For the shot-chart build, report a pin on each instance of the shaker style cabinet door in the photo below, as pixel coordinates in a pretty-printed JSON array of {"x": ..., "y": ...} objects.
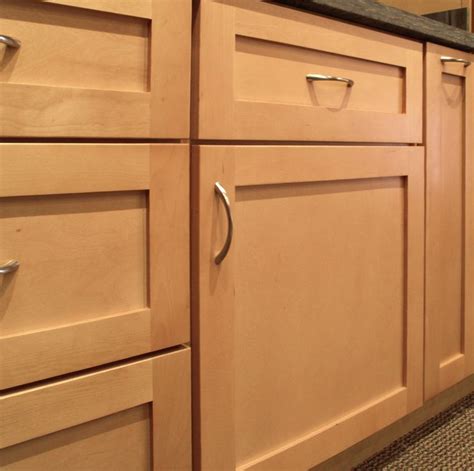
[
  {"x": 94, "y": 247},
  {"x": 449, "y": 218},
  {"x": 308, "y": 327},
  {"x": 269, "y": 72},
  {"x": 134, "y": 416},
  {"x": 95, "y": 68}
]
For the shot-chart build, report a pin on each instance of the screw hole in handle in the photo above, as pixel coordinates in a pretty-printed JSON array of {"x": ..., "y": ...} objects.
[
  {"x": 9, "y": 41},
  {"x": 222, "y": 194},
  {"x": 9, "y": 267}
]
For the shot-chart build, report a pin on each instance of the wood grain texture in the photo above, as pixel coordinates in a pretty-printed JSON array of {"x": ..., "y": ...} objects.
[
  {"x": 103, "y": 243},
  {"x": 136, "y": 414},
  {"x": 169, "y": 244},
  {"x": 170, "y": 74},
  {"x": 135, "y": 84},
  {"x": 75, "y": 32},
  {"x": 213, "y": 296},
  {"x": 291, "y": 262},
  {"x": 172, "y": 420},
  {"x": 120, "y": 441},
  {"x": 72, "y": 112},
  {"x": 449, "y": 349},
  {"x": 49, "y": 169},
  {"x": 141, "y": 9},
  {"x": 28, "y": 356},
  {"x": 253, "y": 61},
  {"x": 293, "y": 62},
  {"x": 34, "y": 412}
]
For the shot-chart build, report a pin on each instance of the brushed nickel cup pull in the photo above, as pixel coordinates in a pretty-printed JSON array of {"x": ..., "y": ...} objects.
[
  {"x": 9, "y": 267},
  {"x": 9, "y": 41},
  {"x": 332, "y": 78},
  {"x": 222, "y": 194},
  {"x": 445, "y": 59}
]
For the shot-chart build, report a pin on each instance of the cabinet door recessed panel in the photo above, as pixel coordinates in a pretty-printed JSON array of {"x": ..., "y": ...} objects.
[
  {"x": 319, "y": 305},
  {"x": 79, "y": 255}
]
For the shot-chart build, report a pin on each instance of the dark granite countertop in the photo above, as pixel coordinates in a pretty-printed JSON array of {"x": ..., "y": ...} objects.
[{"x": 376, "y": 15}]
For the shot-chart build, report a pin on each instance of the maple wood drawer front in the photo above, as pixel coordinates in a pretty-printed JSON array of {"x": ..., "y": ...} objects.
[
  {"x": 255, "y": 59},
  {"x": 85, "y": 69},
  {"x": 132, "y": 416},
  {"x": 100, "y": 235}
]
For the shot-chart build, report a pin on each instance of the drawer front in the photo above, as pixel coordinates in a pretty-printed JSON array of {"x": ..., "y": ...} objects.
[
  {"x": 254, "y": 63},
  {"x": 318, "y": 304},
  {"x": 101, "y": 235},
  {"x": 133, "y": 416},
  {"x": 85, "y": 69}
]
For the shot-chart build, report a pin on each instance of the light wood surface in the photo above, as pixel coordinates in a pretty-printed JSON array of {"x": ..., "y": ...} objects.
[
  {"x": 320, "y": 301},
  {"x": 172, "y": 417},
  {"x": 109, "y": 71},
  {"x": 49, "y": 169},
  {"x": 449, "y": 221},
  {"x": 120, "y": 440},
  {"x": 355, "y": 455},
  {"x": 101, "y": 234},
  {"x": 124, "y": 417},
  {"x": 141, "y": 9},
  {"x": 252, "y": 63}
]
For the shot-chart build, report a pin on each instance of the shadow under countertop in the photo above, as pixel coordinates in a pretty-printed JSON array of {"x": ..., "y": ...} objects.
[{"x": 376, "y": 15}]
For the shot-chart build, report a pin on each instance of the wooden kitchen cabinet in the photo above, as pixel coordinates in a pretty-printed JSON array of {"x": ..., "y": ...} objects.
[
  {"x": 308, "y": 336},
  {"x": 131, "y": 416},
  {"x": 449, "y": 218},
  {"x": 101, "y": 235},
  {"x": 95, "y": 68},
  {"x": 252, "y": 63}
]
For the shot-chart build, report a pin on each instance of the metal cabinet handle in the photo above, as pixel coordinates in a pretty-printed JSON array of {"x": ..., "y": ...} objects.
[
  {"x": 9, "y": 267},
  {"x": 313, "y": 77},
  {"x": 9, "y": 41},
  {"x": 220, "y": 191},
  {"x": 445, "y": 59}
]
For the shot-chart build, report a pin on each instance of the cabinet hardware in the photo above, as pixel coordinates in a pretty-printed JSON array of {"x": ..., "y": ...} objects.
[
  {"x": 9, "y": 267},
  {"x": 9, "y": 41},
  {"x": 445, "y": 59},
  {"x": 313, "y": 77},
  {"x": 220, "y": 191}
]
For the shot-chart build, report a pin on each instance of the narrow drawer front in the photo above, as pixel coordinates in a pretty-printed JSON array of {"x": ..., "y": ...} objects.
[
  {"x": 131, "y": 416},
  {"x": 100, "y": 236},
  {"x": 86, "y": 70},
  {"x": 268, "y": 72}
]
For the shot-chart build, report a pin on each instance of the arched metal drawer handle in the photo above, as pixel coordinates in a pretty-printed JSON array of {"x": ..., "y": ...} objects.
[
  {"x": 445, "y": 59},
  {"x": 313, "y": 77},
  {"x": 220, "y": 191},
  {"x": 9, "y": 41},
  {"x": 9, "y": 267}
]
